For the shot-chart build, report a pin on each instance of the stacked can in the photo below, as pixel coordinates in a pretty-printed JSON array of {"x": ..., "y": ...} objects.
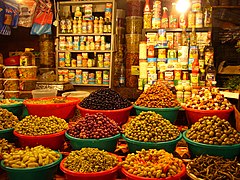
[
  {"x": 120, "y": 42},
  {"x": 134, "y": 26}
]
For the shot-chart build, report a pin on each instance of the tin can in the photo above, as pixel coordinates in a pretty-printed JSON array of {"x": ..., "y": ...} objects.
[
  {"x": 185, "y": 75},
  {"x": 65, "y": 75},
  {"x": 162, "y": 53},
  {"x": 105, "y": 77},
  {"x": 194, "y": 79},
  {"x": 78, "y": 77},
  {"x": 179, "y": 96},
  {"x": 172, "y": 53},
  {"x": 100, "y": 60},
  {"x": 79, "y": 60},
  {"x": 71, "y": 75},
  {"x": 193, "y": 52},
  {"x": 177, "y": 74},
  {"x": 67, "y": 59},
  {"x": 91, "y": 78},
  {"x": 99, "y": 77},
  {"x": 106, "y": 61},
  {"x": 61, "y": 59},
  {"x": 85, "y": 77},
  {"x": 90, "y": 62},
  {"x": 73, "y": 63},
  {"x": 151, "y": 51},
  {"x": 60, "y": 75}
]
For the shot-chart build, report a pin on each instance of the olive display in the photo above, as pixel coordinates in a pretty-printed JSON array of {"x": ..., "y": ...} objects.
[
  {"x": 34, "y": 125},
  {"x": 213, "y": 130},
  {"x": 49, "y": 101},
  {"x": 105, "y": 99},
  {"x": 9, "y": 101},
  {"x": 5, "y": 146},
  {"x": 30, "y": 157},
  {"x": 214, "y": 167},
  {"x": 94, "y": 126},
  {"x": 157, "y": 95},
  {"x": 205, "y": 99},
  {"x": 89, "y": 160},
  {"x": 151, "y": 127},
  {"x": 152, "y": 163},
  {"x": 7, "y": 119}
]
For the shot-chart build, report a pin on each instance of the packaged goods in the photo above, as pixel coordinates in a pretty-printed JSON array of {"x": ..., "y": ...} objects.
[
  {"x": 91, "y": 78},
  {"x": 26, "y": 158},
  {"x": 36, "y": 126},
  {"x": 85, "y": 77},
  {"x": 8, "y": 120},
  {"x": 91, "y": 157},
  {"x": 98, "y": 77},
  {"x": 134, "y": 25},
  {"x": 132, "y": 42},
  {"x": 61, "y": 59},
  {"x": 158, "y": 95},
  {"x": 10, "y": 72},
  {"x": 157, "y": 161},
  {"x": 135, "y": 7},
  {"x": 11, "y": 94},
  {"x": 105, "y": 99},
  {"x": 71, "y": 75},
  {"x": 199, "y": 131},
  {"x": 105, "y": 77},
  {"x": 11, "y": 84},
  {"x": 99, "y": 121},
  {"x": 29, "y": 72}
]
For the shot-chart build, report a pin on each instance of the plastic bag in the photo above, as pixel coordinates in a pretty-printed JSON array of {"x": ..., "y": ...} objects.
[
  {"x": 38, "y": 29},
  {"x": 11, "y": 14},
  {"x": 2, "y": 14},
  {"x": 27, "y": 9}
]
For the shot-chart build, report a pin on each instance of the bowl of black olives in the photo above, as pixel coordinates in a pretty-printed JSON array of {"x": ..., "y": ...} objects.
[
  {"x": 213, "y": 136},
  {"x": 108, "y": 102}
]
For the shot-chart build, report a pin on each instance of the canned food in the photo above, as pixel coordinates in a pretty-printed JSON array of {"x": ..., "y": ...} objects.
[
  {"x": 71, "y": 75},
  {"x": 85, "y": 77},
  {"x": 162, "y": 53},
  {"x": 99, "y": 77},
  {"x": 105, "y": 77},
  {"x": 74, "y": 63},
  {"x": 172, "y": 53},
  {"x": 78, "y": 77},
  {"x": 61, "y": 59},
  {"x": 91, "y": 78}
]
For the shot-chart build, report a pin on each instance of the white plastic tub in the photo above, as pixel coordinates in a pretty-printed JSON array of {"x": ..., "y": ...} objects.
[
  {"x": 78, "y": 94},
  {"x": 39, "y": 93}
]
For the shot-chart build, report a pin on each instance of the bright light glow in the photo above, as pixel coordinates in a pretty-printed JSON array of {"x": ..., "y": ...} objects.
[{"x": 182, "y": 6}]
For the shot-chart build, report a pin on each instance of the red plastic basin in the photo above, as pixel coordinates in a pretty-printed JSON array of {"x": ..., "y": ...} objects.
[
  {"x": 134, "y": 177},
  {"x": 193, "y": 115},
  {"x": 61, "y": 110},
  {"x": 53, "y": 141},
  {"x": 110, "y": 174},
  {"x": 119, "y": 115}
]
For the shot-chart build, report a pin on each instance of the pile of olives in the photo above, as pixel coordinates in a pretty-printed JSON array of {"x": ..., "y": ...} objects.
[
  {"x": 213, "y": 130},
  {"x": 34, "y": 125},
  {"x": 105, "y": 99},
  {"x": 94, "y": 126},
  {"x": 151, "y": 127},
  {"x": 157, "y": 96},
  {"x": 205, "y": 99},
  {"x": 89, "y": 160},
  {"x": 7, "y": 119},
  {"x": 30, "y": 157},
  {"x": 152, "y": 163},
  {"x": 5, "y": 146}
]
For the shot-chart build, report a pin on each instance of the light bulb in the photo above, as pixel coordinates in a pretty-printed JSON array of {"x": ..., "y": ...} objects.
[{"x": 182, "y": 5}]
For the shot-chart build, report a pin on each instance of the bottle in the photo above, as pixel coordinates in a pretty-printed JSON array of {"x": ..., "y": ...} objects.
[
  {"x": 100, "y": 26},
  {"x": 211, "y": 73},
  {"x": 199, "y": 19},
  {"x": 208, "y": 53},
  {"x": 195, "y": 66},
  {"x": 191, "y": 19},
  {"x": 183, "y": 20},
  {"x": 79, "y": 25},
  {"x": 147, "y": 16},
  {"x": 164, "y": 21},
  {"x": 27, "y": 58},
  {"x": 207, "y": 14},
  {"x": 201, "y": 59},
  {"x": 75, "y": 25},
  {"x": 109, "y": 26},
  {"x": 173, "y": 18},
  {"x": 63, "y": 23},
  {"x": 122, "y": 76},
  {"x": 95, "y": 25},
  {"x": 193, "y": 37},
  {"x": 69, "y": 22},
  {"x": 105, "y": 26},
  {"x": 202, "y": 78},
  {"x": 184, "y": 38},
  {"x": 90, "y": 26},
  {"x": 78, "y": 12}
]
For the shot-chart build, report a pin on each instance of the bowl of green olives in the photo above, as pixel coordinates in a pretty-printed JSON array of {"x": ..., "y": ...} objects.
[
  {"x": 27, "y": 166},
  {"x": 213, "y": 136}
]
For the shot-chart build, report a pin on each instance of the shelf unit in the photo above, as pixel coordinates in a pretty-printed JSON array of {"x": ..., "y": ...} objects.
[
  {"x": 98, "y": 7},
  {"x": 205, "y": 29}
]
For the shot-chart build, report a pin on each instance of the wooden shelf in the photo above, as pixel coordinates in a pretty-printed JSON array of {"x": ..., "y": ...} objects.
[
  {"x": 72, "y": 3},
  {"x": 205, "y": 29},
  {"x": 85, "y": 68},
  {"x": 84, "y": 34},
  {"x": 86, "y": 51},
  {"x": 226, "y": 7},
  {"x": 93, "y": 85}
]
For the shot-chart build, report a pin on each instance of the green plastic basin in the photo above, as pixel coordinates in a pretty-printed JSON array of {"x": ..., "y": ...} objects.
[
  {"x": 107, "y": 144},
  {"x": 7, "y": 134},
  {"x": 167, "y": 113},
  {"x": 39, "y": 173},
  {"x": 16, "y": 109},
  {"x": 169, "y": 146},
  {"x": 197, "y": 149}
]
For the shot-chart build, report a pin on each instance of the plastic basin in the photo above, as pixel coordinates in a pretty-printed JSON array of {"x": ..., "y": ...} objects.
[
  {"x": 119, "y": 115},
  {"x": 169, "y": 146},
  {"x": 110, "y": 174},
  {"x": 53, "y": 141},
  {"x": 134, "y": 177},
  {"x": 7, "y": 134},
  {"x": 16, "y": 109},
  {"x": 197, "y": 149},
  {"x": 107, "y": 144},
  {"x": 39, "y": 173},
  {"x": 193, "y": 115},
  {"x": 61, "y": 110},
  {"x": 167, "y": 113}
]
